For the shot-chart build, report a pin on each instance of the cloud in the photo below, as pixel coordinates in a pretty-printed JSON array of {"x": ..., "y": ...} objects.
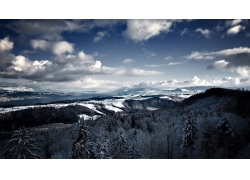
[
  {"x": 204, "y": 32},
  {"x": 48, "y": 29},
  {"x": 160, "y": 65},
  {"x": 141, "y": 72},
  {"x": 28, "y": 53},
  {"x": 62, "y": 47},
  {"x": 107, "y": 22},
  {"x": 63, "y": 67},
  {"x": 198, "y": 56},
  {"x": 234, "y": 60},
  {"x": 168, "y": 58},
  {"x": 235, "y": 30},
  {"x": 174, "y": 63},
  {"x": 40, "y": 44},
  {"x": 219, "y": 65},
  {"x": 211, "y": 55},
  {"x": 195, "y": 81},
  {"x": 233, "y": 22},
  {"x": 142, "y": 30},
  {"x": 222, "y": 65},
  {"x": 184, "y": 31},
  {"x": 5, "y": 44},
  {"x": 219, "y": 28},
  {"x": 90, "y": 83},
  {"x": 57, "y": 48},
  {"x": 149, "y": 53},
  {"x": 126, "y": 61},
  {"x": 25, "y": 68},
  {"x": 100, "y": 35},
  {"x": 84, "y": 84},
  {"x": 155, "y": 65}
]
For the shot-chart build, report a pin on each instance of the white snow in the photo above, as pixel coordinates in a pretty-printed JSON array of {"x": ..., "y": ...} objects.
[
  {"x": 90, "y": 106},
  {"x": 86, "y": 117},
  {"x": 165, "y": 97},
  {"x": 184, "y": 96},
  {"x": 151, "y": 108},
  {"x": 112, "y": 108}
]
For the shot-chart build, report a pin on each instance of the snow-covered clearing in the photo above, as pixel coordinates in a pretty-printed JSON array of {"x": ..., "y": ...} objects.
[
  {"x": 109, "y": 104},
  {"x": 86, "y": 117},
  {"x": 166, "y": 97}
]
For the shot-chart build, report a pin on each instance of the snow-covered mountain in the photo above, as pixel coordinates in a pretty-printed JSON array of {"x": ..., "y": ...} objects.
[{"x": 142, "y": 91}]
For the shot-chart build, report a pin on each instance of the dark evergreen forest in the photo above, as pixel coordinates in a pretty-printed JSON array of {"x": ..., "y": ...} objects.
[{"x": 214, "y": 124}]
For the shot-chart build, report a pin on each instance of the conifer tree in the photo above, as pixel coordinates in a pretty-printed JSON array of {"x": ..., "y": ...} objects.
[
  {"x": 82, "y": 146},
  {"x": 190, "y": 130},
  {"x": 102, "y": 146},
  {"x": 120, "y": 146},
  {"x": 21, "y": 146},
  {"x": 227, "y": 139}
]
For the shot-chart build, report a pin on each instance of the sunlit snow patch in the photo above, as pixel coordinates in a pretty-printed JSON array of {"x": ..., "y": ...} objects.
[
  {"x": 86, "y": 117},
  {"x": 166, "y": 97}
]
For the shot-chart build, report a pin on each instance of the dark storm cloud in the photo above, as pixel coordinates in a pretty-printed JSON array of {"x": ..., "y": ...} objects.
[{"x": 47, "y": 29}]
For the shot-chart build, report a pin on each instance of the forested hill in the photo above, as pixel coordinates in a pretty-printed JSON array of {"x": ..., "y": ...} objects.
[
  {"x": 228, "y": 100},
  {"x": 213, "y": 124}
]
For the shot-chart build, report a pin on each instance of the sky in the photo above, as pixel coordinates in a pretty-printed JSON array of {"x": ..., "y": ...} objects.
[{"x": 101, "y": 54}]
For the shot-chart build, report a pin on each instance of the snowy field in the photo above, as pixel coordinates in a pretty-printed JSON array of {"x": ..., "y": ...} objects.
[{"x": 110, "y": 104}]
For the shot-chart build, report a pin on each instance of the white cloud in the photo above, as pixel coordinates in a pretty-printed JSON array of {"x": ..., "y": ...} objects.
[
  {"x": 23, "y": 66},
  {"x": 219, "y": 65},
  {"x": 195, "y": 81},
  {"x": 155, "y": 65},
  {"x": 233, "y": 51},
  {"x": 141, "y": 72},
  {"x": 57, "y": 48},
  {"x": 195, "y": 55},
  {"x": 204, "y": 32},
  {"x": 128, "y": 61},
  {"x": 85, "y": 58},
  {"x": 142, "y": 30},
  {"x": 168, "y": 58},
  {"x": 90, "y": 83},
  {"x": 100, "y": 35},
  {"x": 184, "y": 31},
  {"x": 234, "y": 60},
  {"x": 62, "y": 47},
  {"x": 6, "y": 44},
  {"x": 243, "y": 71},
  {"x": 235, "y": 30},
  {"x": 174, "y": 63},
  {"x": 222, "y": 65},
  {"x": 211, "y": 55},
  {"x": 40, "y": 44},
  {"x": 149, "y": 53},
  {"x": 233, "y": 22},
  {"x": 66, "y": 67},
  {"x": 160, "y": 65}
]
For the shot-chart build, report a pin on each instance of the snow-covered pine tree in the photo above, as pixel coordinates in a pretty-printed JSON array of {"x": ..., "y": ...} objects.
[
  {"x": 102, "y": 146},
  {"x": 21, "y": 146},
  {"x": 225, "y": 127},
  {"x": 133, "y": 152},
  {"x": 119, "y": 145},
  {"x": 82, "y": 146},
  {"x": 227, "y": 138},
  {"x": 190, "y": 130}
]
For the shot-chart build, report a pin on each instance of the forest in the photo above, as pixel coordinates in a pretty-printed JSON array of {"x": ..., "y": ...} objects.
[{"x": 214, "y": 124}]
